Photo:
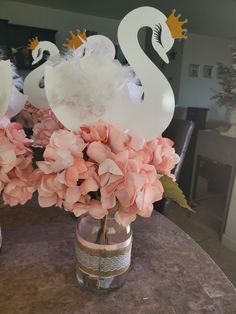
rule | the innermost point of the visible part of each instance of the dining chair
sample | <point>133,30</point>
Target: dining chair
<point>180,132</point>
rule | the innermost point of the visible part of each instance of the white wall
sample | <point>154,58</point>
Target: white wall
<point>229,237</point>
<point>62,21</point>
<point>196,92</point>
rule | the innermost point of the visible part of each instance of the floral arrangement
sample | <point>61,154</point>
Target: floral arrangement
<point>100,169</point>
<point>227,79</point>
<point>97,170</point>
<point>16,171</point>
<point>103,168</point>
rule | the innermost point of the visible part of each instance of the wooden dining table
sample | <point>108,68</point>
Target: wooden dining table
<point>169,274</point>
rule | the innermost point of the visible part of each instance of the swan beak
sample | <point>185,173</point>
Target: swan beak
<point>162,53</point>
<point>165,58</point>
<point>35,61</point>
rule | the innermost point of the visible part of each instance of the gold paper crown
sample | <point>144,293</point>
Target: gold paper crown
<point>76,40</point>
<point>175,26</point>
<point>33,43</point>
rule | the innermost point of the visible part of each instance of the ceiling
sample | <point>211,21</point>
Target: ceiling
<point>209,17</point>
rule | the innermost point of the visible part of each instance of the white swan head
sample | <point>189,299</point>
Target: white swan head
<point>165,32</point>
<point>81,45</point>
<point>42,46</point>
<point>100,45</point>
<point>162,40</point>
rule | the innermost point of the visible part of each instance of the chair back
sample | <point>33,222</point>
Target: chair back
<point>180,132</point>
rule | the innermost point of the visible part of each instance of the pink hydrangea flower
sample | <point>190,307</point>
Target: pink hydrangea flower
<point>96,132</point>
<point>51,190</point>
<point>43,130</point>
<point>18,190</point>
<point>7,155</point>
<point>120,140</point>
<point>103,168</point>
<point>64,151</point>
<point>164,156</point>
<point>43,121</point>
<point>15,165</point>
<point>17,136</point>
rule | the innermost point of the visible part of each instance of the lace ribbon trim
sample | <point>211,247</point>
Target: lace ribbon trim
<point>103,263</point>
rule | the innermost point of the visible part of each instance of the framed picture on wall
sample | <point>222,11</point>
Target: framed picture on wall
<point>208,71</point>
<point>194,70</point>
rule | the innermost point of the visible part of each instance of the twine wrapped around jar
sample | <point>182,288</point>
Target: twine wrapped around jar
<point>102,266</point>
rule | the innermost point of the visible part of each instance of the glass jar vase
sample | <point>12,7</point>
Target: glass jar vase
<point>102,264</point>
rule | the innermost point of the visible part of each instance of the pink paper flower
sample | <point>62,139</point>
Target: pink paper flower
<point>93,207</point>
<point>96,132</point>
<point>7,155</point>
<point>17,136</point>
<point>120,140</point>
<point>51,190</point>
<point>164,156</point>
<point>43,121</point>
<point>43,130</point>
<point>63,151</point>
<point>19,190</point>
<point>30,113</point>
<point>15,165</point>
<point>102,168</point>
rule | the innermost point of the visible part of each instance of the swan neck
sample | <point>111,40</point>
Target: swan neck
<point>128,30</point>
<point>52,48</point>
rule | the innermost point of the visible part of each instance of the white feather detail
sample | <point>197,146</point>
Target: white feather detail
<point>86,85</point>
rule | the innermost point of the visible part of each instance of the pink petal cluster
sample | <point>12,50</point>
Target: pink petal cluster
<point>103,168</point>
<point>43,121</point>
<point>164,157</point>
<point>17,137</point>
<point>46,124</point>
<point>28,116</point>
<point>15,165</point>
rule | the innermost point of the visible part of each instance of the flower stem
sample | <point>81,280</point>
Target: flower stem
<point>102,234</point>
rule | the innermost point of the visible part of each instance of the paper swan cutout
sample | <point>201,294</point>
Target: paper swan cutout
<point>102,46</point>
<point>11,100</point>
<point>36,94</point>
<point>85,89</point>
<point>5,86</point>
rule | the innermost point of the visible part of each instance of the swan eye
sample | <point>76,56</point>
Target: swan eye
<point>157,33</point>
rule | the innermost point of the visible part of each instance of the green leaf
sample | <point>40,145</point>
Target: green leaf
<point>173,192</point>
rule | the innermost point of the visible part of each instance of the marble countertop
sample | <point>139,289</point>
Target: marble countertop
<point>170,273</point>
